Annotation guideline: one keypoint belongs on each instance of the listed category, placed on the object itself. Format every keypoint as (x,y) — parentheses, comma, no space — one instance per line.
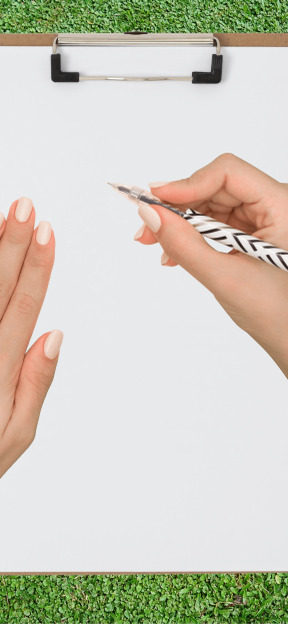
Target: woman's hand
(232,191)
(26,261)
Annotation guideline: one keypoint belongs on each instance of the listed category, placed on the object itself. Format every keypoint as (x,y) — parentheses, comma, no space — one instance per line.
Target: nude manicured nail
(43,233)
(2,219)
(23,209)
(139,232)
(53,343)
(164,258)
(156,184)
(150,217)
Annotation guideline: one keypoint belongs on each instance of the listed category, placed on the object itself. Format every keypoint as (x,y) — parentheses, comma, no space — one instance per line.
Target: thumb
(228,180)
(35,378)
(218,271)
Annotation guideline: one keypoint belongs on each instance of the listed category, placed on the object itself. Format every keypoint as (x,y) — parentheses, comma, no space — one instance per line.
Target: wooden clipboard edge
(275,40)
(226,39)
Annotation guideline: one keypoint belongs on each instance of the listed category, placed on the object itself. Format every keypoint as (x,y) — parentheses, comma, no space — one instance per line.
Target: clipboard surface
(140,455)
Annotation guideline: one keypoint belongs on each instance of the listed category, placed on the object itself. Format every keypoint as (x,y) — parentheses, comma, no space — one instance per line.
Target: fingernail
(53,343)
(43,233)
(23,209)
(156,184)
(164,258)
(2,219)
(150,217)
(139,232)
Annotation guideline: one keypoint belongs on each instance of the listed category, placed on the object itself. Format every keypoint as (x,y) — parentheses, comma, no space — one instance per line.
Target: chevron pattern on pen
(235,238)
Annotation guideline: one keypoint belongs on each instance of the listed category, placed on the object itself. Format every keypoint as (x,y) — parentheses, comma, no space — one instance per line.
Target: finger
(219,272)
(15,240)
(145,235)
(22,312)
(229,174)
(35,379)
(224,200)
(166,260)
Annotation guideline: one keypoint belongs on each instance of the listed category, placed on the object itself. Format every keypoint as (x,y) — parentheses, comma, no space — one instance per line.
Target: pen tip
(113,185)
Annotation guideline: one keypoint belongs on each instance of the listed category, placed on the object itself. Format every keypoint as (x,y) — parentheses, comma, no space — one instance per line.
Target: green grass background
(149,15)
(145,599)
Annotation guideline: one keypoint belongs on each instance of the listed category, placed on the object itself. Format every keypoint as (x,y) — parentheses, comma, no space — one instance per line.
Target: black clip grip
(212,77)
(57,75)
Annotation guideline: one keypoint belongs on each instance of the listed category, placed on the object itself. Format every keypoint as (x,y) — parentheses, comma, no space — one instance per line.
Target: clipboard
(226,41)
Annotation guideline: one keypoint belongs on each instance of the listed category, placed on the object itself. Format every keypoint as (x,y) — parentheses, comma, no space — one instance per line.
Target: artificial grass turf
(145,599)
(147,15)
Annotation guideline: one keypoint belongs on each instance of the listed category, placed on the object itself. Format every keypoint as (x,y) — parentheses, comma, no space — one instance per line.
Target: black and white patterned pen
(220,232)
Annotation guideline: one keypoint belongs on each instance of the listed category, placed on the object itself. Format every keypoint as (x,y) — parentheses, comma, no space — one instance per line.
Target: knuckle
(193,177)
(38,260)
(40,380)
(26,435)
(29,434)
(226,157)
(25,303)
(17,237)
(31,437)
(5,289)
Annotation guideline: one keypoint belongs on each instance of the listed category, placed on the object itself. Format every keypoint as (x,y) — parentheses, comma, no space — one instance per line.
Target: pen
(220,232)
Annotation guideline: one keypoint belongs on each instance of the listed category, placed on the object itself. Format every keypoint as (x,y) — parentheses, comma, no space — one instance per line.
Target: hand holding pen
(233,192)
(215,230)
